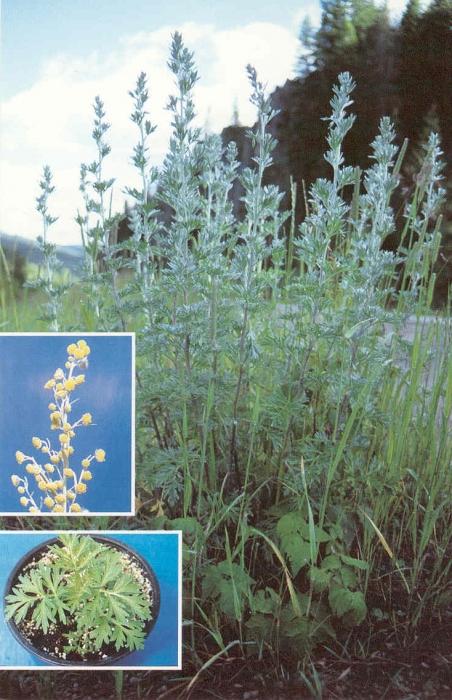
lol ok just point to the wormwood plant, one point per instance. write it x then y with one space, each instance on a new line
248 367
89 590
59 482
97 224
53 288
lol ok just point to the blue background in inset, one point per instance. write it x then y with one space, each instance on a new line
160 550
26 363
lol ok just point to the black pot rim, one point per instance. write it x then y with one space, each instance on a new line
17 634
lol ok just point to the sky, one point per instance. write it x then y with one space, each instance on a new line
57 55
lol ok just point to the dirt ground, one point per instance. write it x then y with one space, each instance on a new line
389 673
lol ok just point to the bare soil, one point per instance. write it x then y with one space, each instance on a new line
421 671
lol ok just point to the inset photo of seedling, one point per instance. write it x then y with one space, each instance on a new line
90 599
67 424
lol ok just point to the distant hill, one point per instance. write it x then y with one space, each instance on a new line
70 256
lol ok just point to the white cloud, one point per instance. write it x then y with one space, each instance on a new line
51 122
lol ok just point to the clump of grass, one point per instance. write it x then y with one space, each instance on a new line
247 370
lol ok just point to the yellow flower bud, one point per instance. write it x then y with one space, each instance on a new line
71 348
36 442
57 509
100 455
86 476
67 408
70 495
75 508
60 498
49 384
63 438
33 509
32 469
42 485
69 384
52 407
20 489
67 427
59 374
79 354
23 501
15 480
20 457
49 468
87 419
49 502
81 488
85 463
45 449
70 450
68 472
79 379
61 394
68 365
55 459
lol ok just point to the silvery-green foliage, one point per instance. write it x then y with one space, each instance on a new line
142 220
173 322
97 224
425 236
258 240
228 342
223 327
53 289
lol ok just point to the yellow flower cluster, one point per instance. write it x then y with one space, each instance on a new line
56 479
78 351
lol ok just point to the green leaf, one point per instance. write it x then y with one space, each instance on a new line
320 578
229 585
348 577
358 563
331 562
344 601
290 529
266 601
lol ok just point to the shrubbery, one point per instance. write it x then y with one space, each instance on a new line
282 420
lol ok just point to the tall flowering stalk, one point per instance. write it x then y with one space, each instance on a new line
97 225
143 219
47 283
57 480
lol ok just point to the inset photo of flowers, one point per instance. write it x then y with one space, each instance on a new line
67 424
84 599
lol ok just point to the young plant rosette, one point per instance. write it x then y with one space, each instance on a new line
59 483
82 599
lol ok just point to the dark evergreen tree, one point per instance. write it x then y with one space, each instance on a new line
336 39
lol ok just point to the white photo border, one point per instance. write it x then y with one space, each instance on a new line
112 533
90 514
